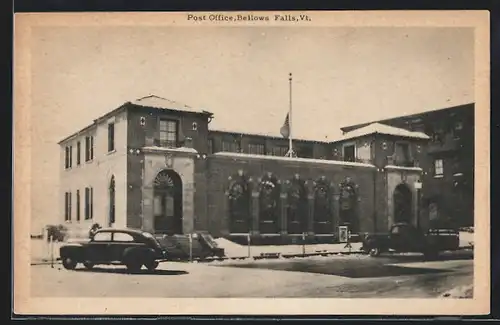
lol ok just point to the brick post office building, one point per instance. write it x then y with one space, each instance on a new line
154 164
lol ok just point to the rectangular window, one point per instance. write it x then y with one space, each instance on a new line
70 156
438 167
66 157
111 137
349 153
91 148
279 151
229 146
364 152
305 151
69 206
77 205
87 203
402 152
87 148
210 146
256 148
91 202
457 130
66 204
78 154
168 133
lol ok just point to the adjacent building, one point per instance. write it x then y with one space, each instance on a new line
448 170
155 164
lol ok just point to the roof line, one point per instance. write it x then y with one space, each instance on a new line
94 123
265 136
359 125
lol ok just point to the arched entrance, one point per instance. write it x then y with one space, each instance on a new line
402 204
111 197
168 203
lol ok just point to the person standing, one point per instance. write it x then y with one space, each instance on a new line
93 229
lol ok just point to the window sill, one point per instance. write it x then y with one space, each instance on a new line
111 152
438 176
89 161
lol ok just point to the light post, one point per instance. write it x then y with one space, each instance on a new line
418 187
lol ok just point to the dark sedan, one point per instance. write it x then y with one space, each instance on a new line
129 247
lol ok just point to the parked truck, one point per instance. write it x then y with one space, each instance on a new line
406 238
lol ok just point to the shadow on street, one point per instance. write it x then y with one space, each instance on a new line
369 267
453 256
125 271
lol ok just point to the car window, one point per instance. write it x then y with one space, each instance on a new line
102 236
124 237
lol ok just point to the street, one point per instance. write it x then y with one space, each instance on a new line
353 276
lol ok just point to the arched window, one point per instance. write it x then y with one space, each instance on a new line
323 223
269 214
297 206
239 204
111 218
348 206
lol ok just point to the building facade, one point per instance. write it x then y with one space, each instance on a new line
448 170
154 164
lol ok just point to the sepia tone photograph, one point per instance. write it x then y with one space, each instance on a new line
317 156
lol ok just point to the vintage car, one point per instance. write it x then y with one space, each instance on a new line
406 238
129 247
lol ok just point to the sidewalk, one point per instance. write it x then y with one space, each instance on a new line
233 250
40 252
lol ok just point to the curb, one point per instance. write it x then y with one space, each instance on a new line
269 256
47 262
264 256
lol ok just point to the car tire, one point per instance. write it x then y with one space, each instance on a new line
374 252
69 263
88 265
133 266
152 265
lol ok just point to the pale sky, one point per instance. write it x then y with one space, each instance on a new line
342 76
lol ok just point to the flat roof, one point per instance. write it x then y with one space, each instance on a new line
355 126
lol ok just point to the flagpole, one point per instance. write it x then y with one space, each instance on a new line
290 149
290 152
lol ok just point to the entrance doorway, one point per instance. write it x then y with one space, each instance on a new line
168 203
402 204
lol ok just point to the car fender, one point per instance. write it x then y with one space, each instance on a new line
137 254
74 250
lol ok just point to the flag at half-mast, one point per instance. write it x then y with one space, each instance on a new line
285 129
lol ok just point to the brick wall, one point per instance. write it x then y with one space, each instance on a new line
221 167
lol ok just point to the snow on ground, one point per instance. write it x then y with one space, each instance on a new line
235 250
461 292
41 249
